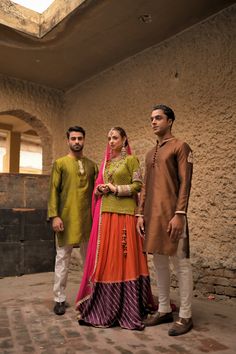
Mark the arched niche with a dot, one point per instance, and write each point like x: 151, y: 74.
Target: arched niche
x: 39, y: 127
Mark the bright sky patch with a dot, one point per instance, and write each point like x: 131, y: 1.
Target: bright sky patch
x: 35, y: 5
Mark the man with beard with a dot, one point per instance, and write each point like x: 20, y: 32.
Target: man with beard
x: 69, y: 208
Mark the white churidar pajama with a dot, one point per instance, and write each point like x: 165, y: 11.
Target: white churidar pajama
x: 183, y: 270
x: 62, y: 263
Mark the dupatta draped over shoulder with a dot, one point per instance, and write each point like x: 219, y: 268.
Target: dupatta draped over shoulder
x: 115, y: 287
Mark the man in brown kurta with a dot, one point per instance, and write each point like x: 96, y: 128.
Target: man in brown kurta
x: 162, y: 217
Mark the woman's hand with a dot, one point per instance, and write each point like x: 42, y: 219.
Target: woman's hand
x: 140, y: 226
x: 111, y: 187
x: 103, y: 189
x: 106, y: 188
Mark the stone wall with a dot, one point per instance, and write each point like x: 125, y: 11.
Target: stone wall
x: 26, y: 238
x: 193, y: 73
x: 19, y: 190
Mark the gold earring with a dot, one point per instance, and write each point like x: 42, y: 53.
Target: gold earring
x: 123, y: 150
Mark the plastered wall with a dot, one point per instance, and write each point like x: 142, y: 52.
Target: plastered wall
x: 193, y: 73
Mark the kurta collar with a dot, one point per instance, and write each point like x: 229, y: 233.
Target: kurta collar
x: 165, y: 141
x: 75, y: 158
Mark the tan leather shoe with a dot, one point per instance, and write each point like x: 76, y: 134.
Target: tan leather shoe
x: 158, y: 318
x: 181, y: 326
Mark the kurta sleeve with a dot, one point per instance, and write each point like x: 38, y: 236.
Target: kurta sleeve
x: 142, y: 197
x: 55, y: 185
x: 134, y: 187
x: 185, y: 168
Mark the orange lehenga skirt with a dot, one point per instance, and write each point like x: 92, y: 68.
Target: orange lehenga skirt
x: 121, y: 292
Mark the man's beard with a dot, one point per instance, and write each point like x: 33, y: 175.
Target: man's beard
x: 76, y: 148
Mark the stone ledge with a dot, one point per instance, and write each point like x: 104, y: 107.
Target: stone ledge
x: 32, y: 23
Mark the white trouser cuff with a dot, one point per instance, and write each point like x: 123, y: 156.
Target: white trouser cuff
x: 62, y: 263
x: 184, y: 274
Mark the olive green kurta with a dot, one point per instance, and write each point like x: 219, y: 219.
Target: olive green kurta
x: 165, y: 191
x: 70, y: 197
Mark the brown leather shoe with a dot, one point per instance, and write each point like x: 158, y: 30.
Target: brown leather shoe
x: 157, y: 319
x: 181, y: 326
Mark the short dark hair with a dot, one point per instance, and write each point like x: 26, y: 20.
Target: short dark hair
x: 76, y: 128
x: 122, y: 133
x: 167, y: 110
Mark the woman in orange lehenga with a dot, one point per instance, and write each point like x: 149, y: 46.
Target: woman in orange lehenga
x: 115, y: 287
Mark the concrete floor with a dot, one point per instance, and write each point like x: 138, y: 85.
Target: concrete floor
x: 28, y: 325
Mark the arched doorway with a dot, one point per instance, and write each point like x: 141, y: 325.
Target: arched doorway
x: 38, y: 133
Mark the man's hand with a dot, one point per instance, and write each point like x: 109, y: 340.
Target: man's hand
x: 57, y: 224
x: 176, y: 227
x: 140, y: 226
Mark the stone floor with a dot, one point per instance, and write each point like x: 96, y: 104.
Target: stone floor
x: 28, y: 325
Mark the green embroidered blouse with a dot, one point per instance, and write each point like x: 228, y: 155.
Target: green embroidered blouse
x: 126, y: 175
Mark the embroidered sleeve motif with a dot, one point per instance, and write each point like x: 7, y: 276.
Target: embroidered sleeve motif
x: 137, y: 176
x: 190, y: 157
x: 124, y: 190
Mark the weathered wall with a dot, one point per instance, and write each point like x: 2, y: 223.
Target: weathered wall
x: 23, y: 198
x: 26, y: 239
x: 18, y: 190
x: 38, y: 106
x: 193, y: 73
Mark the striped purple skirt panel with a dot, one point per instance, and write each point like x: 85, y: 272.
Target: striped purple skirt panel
x: 124, y: 303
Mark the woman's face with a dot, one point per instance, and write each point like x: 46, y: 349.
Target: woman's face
x: 115, y: 140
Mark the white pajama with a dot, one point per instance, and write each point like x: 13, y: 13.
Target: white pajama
x: 183, y: 270
x: 62, y: 263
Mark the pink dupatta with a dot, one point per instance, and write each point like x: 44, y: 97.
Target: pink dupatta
x: 86, y: 285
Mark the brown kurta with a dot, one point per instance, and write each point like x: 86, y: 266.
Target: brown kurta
x: 165, y: 191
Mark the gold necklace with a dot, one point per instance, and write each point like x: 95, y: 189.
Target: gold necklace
x: 109, y: 174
